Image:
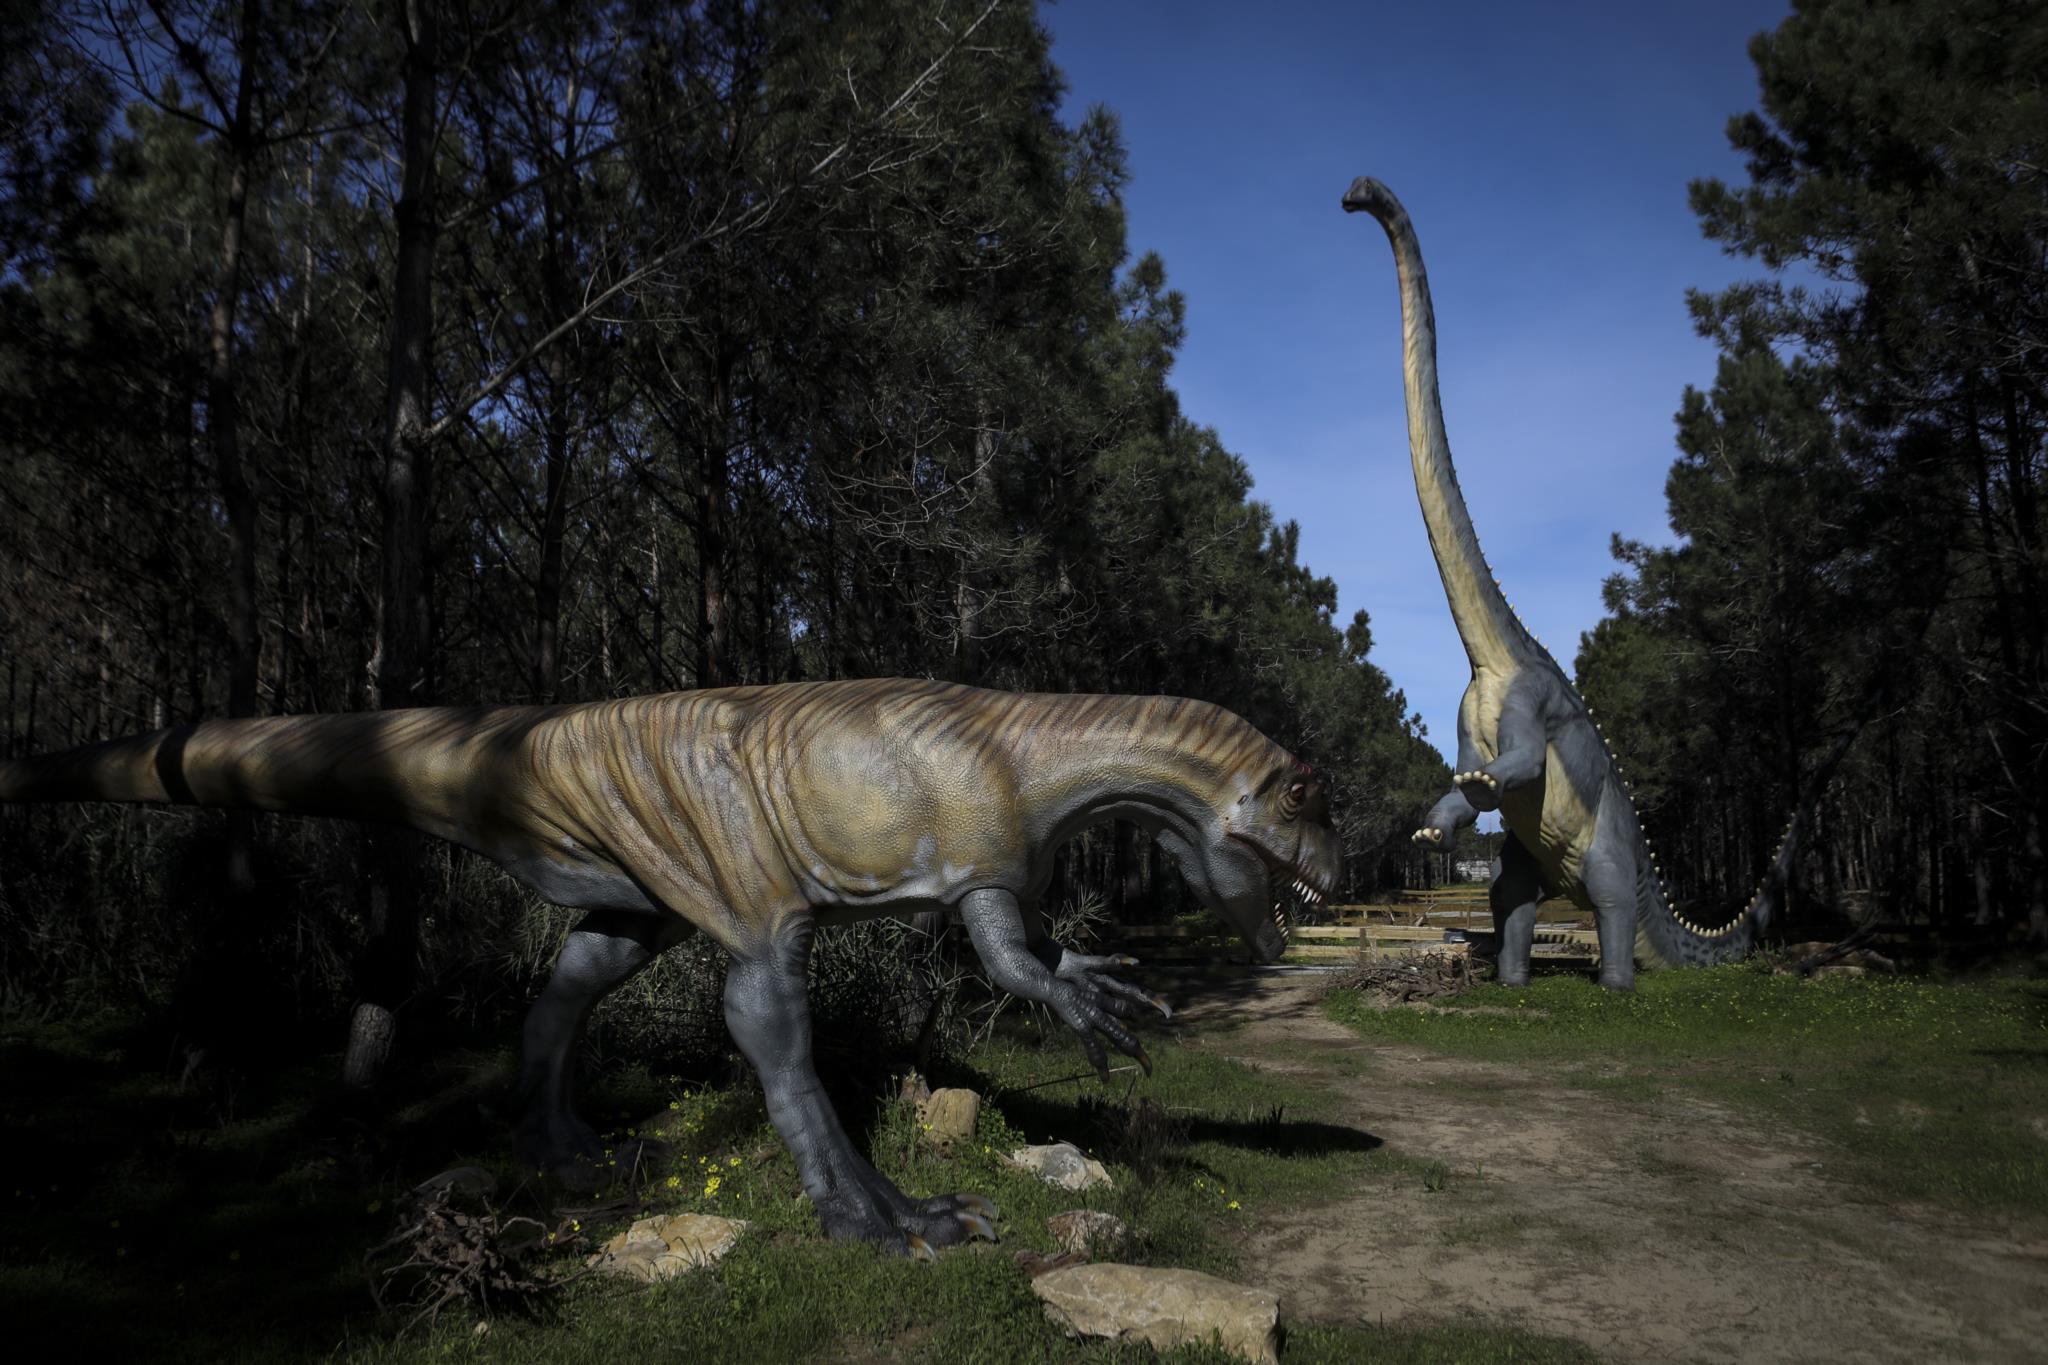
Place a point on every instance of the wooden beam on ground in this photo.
(1349, 933)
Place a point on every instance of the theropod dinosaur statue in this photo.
(754, 814)
(1527, 743)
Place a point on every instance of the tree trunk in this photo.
(554, 520)
(398, 671)
(713, 474)
(223, 423)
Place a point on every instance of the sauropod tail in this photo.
(1679, 940)
(425, 768)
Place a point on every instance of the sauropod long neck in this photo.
(1492, 636)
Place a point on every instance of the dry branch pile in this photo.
(1406, 977)
(453, 1244)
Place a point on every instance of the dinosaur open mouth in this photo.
(1285, 882)
(1283, 920)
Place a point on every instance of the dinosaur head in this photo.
(1271, 840)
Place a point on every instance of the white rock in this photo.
(1164, 1307)
(667, 1245)
(1062, 1164)
(1087, 1231)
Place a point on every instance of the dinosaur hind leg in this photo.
(1611, 886)
(1516, 891)
(605, 950)
(770, 1018)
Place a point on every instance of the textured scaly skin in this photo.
(1527, 743)
(752, 814)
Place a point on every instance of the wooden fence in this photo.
(1438, 920)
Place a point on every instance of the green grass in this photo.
(157, 1218)
(1925, 1089)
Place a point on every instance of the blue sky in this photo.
(1543, 152)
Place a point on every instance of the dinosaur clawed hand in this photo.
(1480, 787)
(1429, 836)
(1092, 973)
(1090, 1001)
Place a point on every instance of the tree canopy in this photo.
(1859, 496)
(492, 354)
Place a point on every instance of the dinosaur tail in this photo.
(1668, 932)
(1676, 938)
(414, 767)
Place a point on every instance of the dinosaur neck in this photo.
(1156, 761)
(1493, 637)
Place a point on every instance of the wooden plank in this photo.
(1313, 953)
(1351, 933)
(1350, 939)
(1326, 954)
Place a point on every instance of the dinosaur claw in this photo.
(1126, 960)
(1162, 1007)
(920, 1249)
(1144, 1062)
(977, 1204)
(977, 1226)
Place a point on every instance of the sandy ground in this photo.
(1666, 1230)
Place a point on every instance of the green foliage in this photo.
(1859, 496)
(872, 390)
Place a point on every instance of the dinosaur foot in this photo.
(1618, 980)
(876, 1211)
(1428, 837)
(1480, 788)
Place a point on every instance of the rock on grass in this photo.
(1087, 1231)
(949, 1116)
(1164, 1307)
(667, 1245)
(1062, 1164)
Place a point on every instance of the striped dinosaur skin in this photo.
(753, 814)
(1527, 743)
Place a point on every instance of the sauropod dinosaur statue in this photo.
(1527, 743)
(753, 814)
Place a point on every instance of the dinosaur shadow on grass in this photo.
(1141, 1133)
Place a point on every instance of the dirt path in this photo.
(1672, 1230)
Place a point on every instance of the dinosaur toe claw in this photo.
(920, 1249)
(978, 1204)
(977, 1226)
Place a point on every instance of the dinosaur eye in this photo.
(1291, 799)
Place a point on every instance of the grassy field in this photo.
(1928, 1089)
(163, 1215)
(157, 1217)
